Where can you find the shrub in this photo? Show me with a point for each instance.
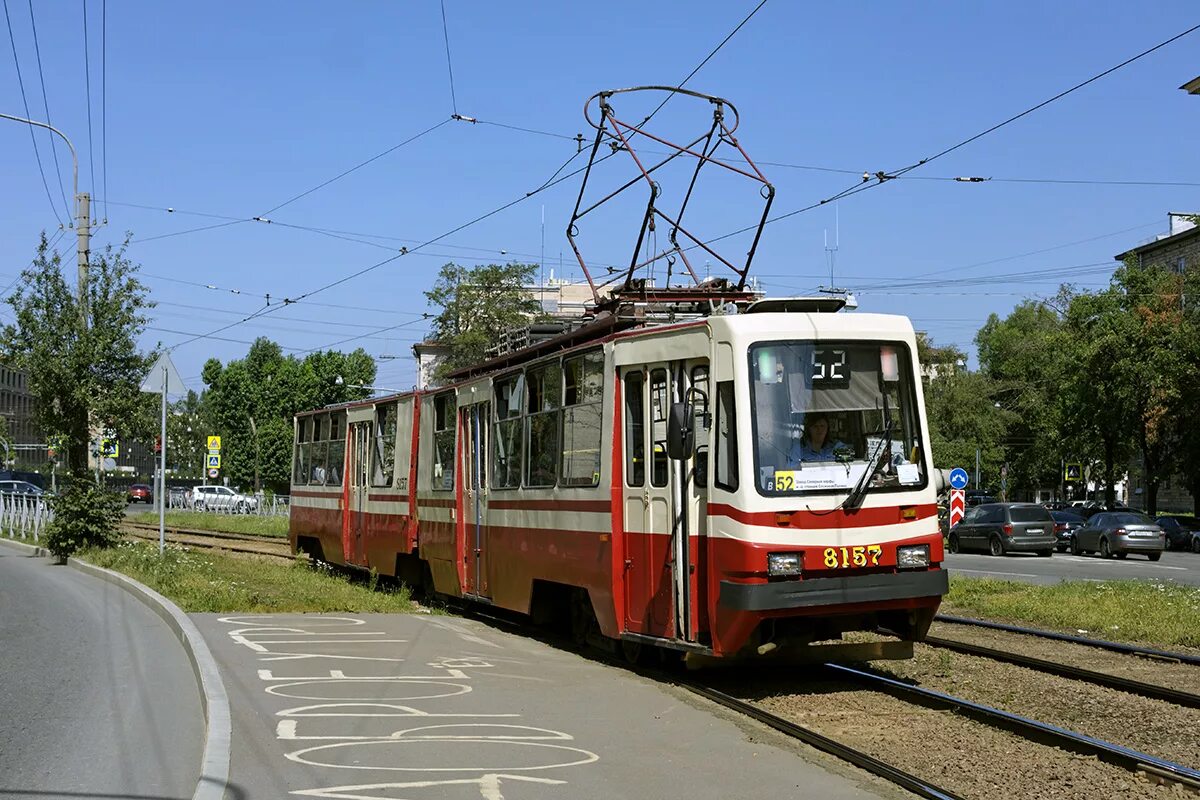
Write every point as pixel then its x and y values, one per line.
pixel 85 515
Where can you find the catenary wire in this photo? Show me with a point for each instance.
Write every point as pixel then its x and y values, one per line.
pixel 358 166
pixel 32 135
pixel 45 101
pixel 449 65
pixel 87 82
pixel 1045 103
pixel 104 102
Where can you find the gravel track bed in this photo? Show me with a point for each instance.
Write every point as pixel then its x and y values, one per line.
pixel 1152 726
pixel 1183 677
pixel 956 753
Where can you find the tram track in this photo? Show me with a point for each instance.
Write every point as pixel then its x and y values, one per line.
pixel 235 543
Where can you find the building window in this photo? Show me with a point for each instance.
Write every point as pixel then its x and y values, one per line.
pixel 1179 265
pixel 544 392
pixel 506 438
pixel 581 417
pixel 443 441
pixel 385 445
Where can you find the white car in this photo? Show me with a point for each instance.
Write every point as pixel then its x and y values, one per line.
pixel 222 498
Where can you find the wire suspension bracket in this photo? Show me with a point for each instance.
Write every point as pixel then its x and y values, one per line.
pixel 620 136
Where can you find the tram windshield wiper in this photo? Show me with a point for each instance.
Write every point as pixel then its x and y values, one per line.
pixel 854 499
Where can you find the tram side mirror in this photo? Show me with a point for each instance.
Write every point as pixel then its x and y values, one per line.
pixel 681 438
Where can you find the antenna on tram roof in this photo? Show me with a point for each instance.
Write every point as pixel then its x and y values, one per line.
pixel 620 136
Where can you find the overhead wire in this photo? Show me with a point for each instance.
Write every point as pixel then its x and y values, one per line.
pixel 46 101
pixel 358 166
pixel 87 78
pixel 449 65
pixel 104 102
pixel 32 135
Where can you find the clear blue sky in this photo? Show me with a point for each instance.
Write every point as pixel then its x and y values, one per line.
pixel 232 108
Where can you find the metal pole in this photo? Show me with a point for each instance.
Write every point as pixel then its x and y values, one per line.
pixel 162 471
pixel 977 468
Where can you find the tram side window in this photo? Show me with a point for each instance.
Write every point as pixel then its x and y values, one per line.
pixel 701 423
pixel 385 445
pixel 337 449
pixel 541 425
pixel 725 441
pixel 660 399
pixel 303 452
pixel 443 442
pixel 506 436
pixel 635 427
pixel 320 447
pixel 581 417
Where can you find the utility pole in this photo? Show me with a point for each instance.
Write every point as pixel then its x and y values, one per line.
pixel 83 230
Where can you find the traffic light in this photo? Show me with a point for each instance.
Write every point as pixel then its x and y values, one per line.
pixel 157 445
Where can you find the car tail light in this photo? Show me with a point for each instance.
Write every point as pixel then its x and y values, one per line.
pixel 1060 526
pixel 1008 529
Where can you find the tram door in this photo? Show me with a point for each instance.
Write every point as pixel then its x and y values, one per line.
pixel 647 502
pixel 359 479
pixel 476 419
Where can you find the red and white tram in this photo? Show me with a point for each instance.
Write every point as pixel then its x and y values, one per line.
pixel 666 485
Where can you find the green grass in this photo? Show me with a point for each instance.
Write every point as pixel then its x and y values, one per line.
pixel 1151 612
pixel 208 582
pixel 222 523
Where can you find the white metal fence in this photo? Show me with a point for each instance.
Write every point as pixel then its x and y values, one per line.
pixel 23 516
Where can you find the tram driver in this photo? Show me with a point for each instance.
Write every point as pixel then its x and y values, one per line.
pixel 814 444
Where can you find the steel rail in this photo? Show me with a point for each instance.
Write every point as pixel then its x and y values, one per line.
pixel 1041 732
pixel 216 543
pixel 242 537
pixel 1103 644
pixel 1067 671
pixel 912 783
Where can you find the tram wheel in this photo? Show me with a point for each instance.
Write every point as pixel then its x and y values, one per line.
pixel 583 620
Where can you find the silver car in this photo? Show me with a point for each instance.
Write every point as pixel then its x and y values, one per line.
pixel 1119 533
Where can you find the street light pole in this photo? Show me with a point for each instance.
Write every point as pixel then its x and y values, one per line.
pixel 83 230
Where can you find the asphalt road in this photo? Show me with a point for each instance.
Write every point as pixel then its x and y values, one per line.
pixel 1174 566
pixel 97 698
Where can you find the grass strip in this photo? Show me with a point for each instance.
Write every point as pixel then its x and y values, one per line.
pixel 276 527
pixel 201 581
pixel 1164 614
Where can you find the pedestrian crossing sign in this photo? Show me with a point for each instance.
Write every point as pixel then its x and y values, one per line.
pixel 214 461
pixel 214 443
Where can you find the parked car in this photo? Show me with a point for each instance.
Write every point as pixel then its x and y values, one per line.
pixel 1065 525
pixel 20 488
pixel 1179 530
pixel 1119 533
pixel 976 497
pixel 1000 528
pixel 222 498
pixel 1196 541
pixel 140 493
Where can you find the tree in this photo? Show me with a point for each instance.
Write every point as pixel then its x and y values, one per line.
pixel 81 376
pixel 1023 355
pixel 250 403
pixel 962 416
pixel 476 306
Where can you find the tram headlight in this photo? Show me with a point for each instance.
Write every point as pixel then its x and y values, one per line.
pixel 912 555
pixel 779 564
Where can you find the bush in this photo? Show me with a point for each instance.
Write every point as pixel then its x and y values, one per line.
pixel 85 515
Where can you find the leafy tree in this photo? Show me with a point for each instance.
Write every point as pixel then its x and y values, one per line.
pixel 1023 355
pixel 82 377
pixel 961 413
pixel 250 403
pixel 476 306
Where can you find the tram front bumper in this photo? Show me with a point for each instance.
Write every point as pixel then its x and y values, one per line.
pixel 814 592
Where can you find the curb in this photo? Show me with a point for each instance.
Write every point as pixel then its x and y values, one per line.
pixel 214 765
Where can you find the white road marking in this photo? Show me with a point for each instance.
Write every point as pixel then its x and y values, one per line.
pixel 489 787
pixel 580 756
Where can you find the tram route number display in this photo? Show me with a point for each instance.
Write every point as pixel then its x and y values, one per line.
pixel 858 556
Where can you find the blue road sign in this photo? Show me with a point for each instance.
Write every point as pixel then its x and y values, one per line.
pixel 958 478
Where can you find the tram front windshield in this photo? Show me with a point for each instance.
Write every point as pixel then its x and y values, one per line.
pixel 826 415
